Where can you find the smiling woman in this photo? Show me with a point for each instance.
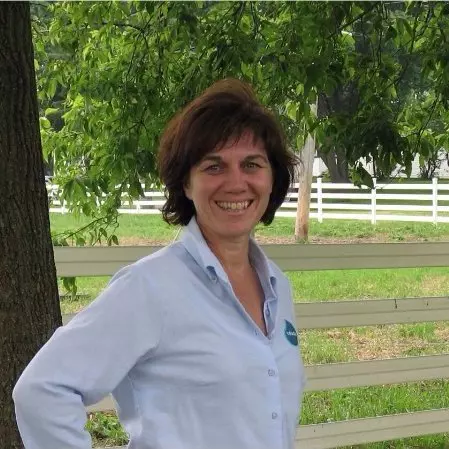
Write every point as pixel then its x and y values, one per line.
pixel 204 351
pixel 224 114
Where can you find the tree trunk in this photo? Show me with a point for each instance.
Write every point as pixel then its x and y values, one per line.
pixel 304 191
pixel 29 303
pixel 337 165
pixel 344 100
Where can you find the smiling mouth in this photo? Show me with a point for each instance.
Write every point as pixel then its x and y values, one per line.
pixel 234 205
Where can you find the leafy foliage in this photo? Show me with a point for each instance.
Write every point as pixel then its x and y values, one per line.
pixel 112 73
pixel 106 428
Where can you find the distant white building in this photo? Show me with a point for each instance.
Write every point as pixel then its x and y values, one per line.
pixel 319 167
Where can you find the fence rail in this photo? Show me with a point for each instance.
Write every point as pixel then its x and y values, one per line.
pixel 423 202
pixel 89 261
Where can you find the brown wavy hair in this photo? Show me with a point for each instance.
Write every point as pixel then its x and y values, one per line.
pixel 222 112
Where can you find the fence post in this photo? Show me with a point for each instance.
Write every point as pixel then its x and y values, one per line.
pixel 373 202
pixel 319 194
pixel 435 200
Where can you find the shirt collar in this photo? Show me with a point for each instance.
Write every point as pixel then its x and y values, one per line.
pixel 194 242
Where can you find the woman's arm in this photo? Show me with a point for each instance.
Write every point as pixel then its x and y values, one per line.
pixel 84 361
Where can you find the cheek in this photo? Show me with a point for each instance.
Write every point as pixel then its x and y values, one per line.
pixel 269 180
pixel 199 189
pixel 265 184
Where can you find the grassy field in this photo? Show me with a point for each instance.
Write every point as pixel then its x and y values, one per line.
pixel 329 345
pixel 142 229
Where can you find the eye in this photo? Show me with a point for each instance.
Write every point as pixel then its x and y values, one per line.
pixel 252 165
pixel 212 168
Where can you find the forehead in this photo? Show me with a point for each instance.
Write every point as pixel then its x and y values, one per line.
pixel 243 146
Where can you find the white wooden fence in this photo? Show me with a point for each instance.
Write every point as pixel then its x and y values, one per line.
pixel 394 202
pixel 89 261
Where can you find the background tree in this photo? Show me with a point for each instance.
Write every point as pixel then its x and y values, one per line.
pixel 114 73
pixel 29 304
pixel 126 67
pixel 406 62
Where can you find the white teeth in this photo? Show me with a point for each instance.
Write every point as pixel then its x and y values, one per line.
pixel 228 205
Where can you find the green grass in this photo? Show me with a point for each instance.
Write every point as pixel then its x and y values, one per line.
pixel 136 226
pixel 373 342
pixel 369 283
pixel 354 229
pixel 353 403
pixel 106 430
pixel 152 227
pixel 328 345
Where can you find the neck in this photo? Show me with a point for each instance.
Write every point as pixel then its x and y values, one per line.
pixel 232 253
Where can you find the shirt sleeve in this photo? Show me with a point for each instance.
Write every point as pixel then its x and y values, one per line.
pixel 84 361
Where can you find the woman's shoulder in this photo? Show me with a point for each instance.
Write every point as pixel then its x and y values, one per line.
pixel 163 264
pixel 167 257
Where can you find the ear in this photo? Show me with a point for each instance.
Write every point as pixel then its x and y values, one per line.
pixel 187 190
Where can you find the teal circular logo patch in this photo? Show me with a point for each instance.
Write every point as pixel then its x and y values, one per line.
pixel 290 333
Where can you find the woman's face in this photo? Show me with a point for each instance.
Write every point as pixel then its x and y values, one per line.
pixel 231 188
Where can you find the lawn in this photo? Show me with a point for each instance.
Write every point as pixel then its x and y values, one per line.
pixel 152 229
pixel 329 345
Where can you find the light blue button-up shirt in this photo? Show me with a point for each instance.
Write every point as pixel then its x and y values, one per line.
pixel 187 366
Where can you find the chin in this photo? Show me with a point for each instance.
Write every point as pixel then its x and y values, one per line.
pixel 233 230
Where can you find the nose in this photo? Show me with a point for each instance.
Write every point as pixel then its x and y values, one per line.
pixel 235 180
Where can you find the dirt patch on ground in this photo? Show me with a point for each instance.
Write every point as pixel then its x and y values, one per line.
pixel 443 334
pixel 286 240
pixel 141 241
pixel 430 284
pixel 321 240
pixel 370 347
pixel 263 240
pixel 383 342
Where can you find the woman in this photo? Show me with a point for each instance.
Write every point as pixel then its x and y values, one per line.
pixel 201 350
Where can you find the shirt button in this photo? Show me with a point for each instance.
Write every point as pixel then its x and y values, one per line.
pixel 271 372
pixel 214 279
pixel 274 415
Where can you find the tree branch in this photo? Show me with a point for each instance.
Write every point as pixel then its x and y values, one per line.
pixel 124 25
pixel 355 19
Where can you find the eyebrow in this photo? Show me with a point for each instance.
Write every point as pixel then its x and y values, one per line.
pixel 251 157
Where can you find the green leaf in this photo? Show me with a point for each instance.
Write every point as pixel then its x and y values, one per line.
pixel 69 283
pixel 360 177
pixel 51 111
pixel 291 110
pixel 80 241
pixel 44 123
pixel 408 27
pixel 391 33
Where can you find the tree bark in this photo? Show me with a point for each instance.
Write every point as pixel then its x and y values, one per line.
pixel 337 164
pixel 29 303
pixel 344 100
pixel 304 191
